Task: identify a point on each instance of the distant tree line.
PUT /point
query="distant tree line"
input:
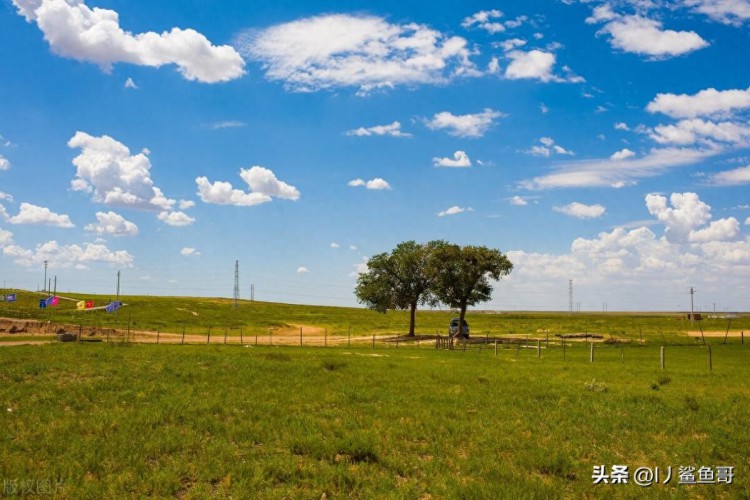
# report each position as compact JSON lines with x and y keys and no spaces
{"x":415,"y":274}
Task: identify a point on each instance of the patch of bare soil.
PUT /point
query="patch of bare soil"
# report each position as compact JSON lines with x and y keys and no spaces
{"x":716,"y":333}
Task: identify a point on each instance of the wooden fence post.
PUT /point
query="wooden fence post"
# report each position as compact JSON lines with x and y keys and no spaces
{"x":225,"y":335}
{"x":662,"y":357}
{"x":538,"y":348}
{"x":300,"y":336}
{"x":242,"y":341}
{"x":208,"y":336}
{"x":495,"y":347}
{"x":373,"y":341}
{"x":591,"y":352}
{"x":742,"y":336}
{"x":157,"y":337}
{"x":710,"y":359}
{"x":183,"y":335}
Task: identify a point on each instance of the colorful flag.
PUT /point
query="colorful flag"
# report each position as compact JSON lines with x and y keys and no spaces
{"x":42,"y":303}
{"x":55,"y":300}
{"x":11,"y":297}
{"x":81,"y":305}
{"x":51,"y":301}
{"x":113,"y":306}
{"x":89,"y":304}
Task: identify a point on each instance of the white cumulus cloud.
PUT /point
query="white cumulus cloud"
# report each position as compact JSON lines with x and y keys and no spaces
{"x":581,"y":211}
{"x":263,"y":185}
{"x":4,"y":163}
{"x":302,"y":270}
{"x":707,"y":102}
{"x":454,"y":210}
{"x":189,"y":252}
{"x":74,"y":30}
{"x":484,"y":20}
{"x":470,"y":125}
{"x":67,"y":256}
{"x":623,"y":154}
{"x":175,"y":218}
{"x":393,"y":130}
{"x":459,"y":159}
{"x":641,"y":35}
{"x":33,"y":214}
{"x":106,"y":169}
{"x":113,"y":224}
{"x":362,"y":51}
{"x":376,"y":184}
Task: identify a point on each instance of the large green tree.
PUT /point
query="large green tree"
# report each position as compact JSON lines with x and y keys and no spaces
{"x":399,"y":279}
{"x":462,"y":276}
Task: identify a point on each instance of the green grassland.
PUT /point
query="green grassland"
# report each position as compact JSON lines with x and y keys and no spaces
{"x":196,"y":315}
{"x":124,"y":420}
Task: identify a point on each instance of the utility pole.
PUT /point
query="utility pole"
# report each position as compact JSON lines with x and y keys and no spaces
{"x":236,"y":301}
{"x":45,"y":275}
{"x":117,"y":309}
{"x":570,"y":296}
{"x":692,"y":293}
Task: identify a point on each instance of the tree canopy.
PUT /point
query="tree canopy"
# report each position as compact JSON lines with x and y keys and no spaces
{"x":416,"y":274}
{"x":462,"y":275}
{"x":399,"y":279}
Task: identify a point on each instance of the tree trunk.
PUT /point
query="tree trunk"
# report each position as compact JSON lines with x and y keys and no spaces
{"x":412,"y":319}
{"x":461,"y":320}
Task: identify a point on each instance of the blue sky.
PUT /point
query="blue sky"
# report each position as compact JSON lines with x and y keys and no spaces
{"x":603,"y":142}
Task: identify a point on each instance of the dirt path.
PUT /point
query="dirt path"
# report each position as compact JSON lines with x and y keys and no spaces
{"x":716,"y":333}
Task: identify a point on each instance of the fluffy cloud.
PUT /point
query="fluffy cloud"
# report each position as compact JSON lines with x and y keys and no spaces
{"x":707,"y":102}
{"x":616,"y":173}
{"x":623,"y":154}
{"x":376,"y":184}
{"x":302,"y":270}
{"x":175,"y":218}
{"x":130,"y":84}
{"x":697,"y":130}
{"x":185,"y":204}
{"x":112,"y":224}
{"x":67,"y":256}
{"x":33,"y":214}
{"x":471,"y":125}
{"x":686,"y":214}
{"x":74,"y":30}
{"x":393,"y":130}
{"x":106,"y":169}
{"x":4,"y":163}
{"x":6,"y":238}
{"x":454,"y":210}
{"x":484,"y":20}
{"x":645,"y":36}
{"x":621,"y":126}
{"x":334,"y":245}
{"x":547,"y":148}
{"x":720,"y":230}
{"x":634,"y":261}
{"x":518,"y":201}
{"x":366,"y":52}
{"x":581,"y":211}
{"x":733,"y":12}
{"x":460,"y":159}
{"x":189,"y":252}
{"x":263,"y":184}
{"x":734,"y":177}
{"x":534,"y":64}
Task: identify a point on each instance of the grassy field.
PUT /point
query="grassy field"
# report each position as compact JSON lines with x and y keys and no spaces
{"x":128,"y":420}
{"x":196,"y":315}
